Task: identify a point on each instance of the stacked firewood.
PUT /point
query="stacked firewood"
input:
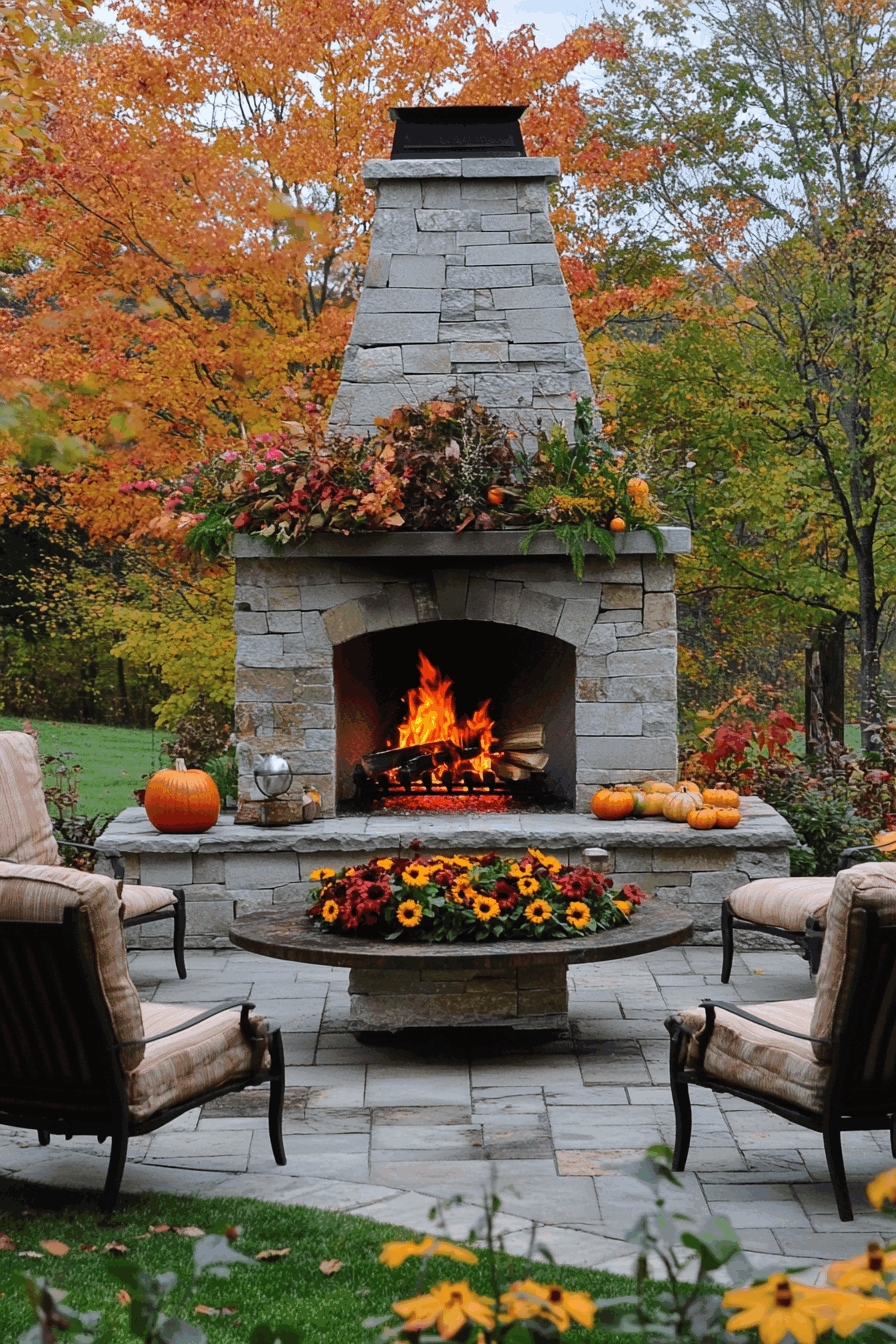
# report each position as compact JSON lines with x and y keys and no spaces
{"x":520,"y":753}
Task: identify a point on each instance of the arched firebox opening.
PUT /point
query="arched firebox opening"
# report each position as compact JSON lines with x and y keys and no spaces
{"x":525,"y":679}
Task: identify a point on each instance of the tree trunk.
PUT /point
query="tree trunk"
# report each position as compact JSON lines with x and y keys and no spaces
{"x":824,"y":712}
{"x":869,"y":652}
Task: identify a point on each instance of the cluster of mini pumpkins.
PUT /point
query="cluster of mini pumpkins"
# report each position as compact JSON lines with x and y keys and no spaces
{"x":702,"y":809}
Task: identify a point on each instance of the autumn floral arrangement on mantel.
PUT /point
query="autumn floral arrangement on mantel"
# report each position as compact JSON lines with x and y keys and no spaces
{"x":459,"y":899}
{"x":442,"y":466}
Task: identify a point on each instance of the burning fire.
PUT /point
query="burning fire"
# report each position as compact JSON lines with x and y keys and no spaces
{"x":432,"y":717}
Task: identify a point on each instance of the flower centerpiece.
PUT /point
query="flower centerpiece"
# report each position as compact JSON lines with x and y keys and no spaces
{"x":459,"y":899}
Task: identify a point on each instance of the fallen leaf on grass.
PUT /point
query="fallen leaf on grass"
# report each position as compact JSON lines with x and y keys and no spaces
{"x":159,"y":1227}
{"x":116,"y":1247}
{"x":31,"y":1255}
{"x":330,"y":1266}
{"x":143,"y":1236}
{"x":232,"y":1233}
{"x":87,"y":1246}
{"x":190,"y":1231}
{"x":6,"y":1243}
{"x":274,"y":1255}
{"x":124,"y":1297}
{"x":54,"y":1247}
{"x":206,"y":1311}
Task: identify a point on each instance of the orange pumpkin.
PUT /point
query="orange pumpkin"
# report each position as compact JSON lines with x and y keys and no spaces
{"x":638,"y":490}
{"x":182,"y":801}
{"x":721,"y":797}
{"x":685,"y":786}
{"x":703,"y":818}
{"x":656,"y":786}
{"x":727,"y":818}
{"x":885,"y":840}
{"x":617,"y":524}
{"x":612,"y":804}
{"x":653,"y":804}
{"x":678,"y":806}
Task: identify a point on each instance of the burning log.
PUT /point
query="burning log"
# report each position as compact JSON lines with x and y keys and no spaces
{"x":417,"y":758}
{"x":530,"y":738}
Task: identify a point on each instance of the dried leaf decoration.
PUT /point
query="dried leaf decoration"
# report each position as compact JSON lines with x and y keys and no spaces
{"x":54,"y":1247}
{"x":159,"y":1227}
{"x":274,"y":1255}
{"x":6,"y":1243}
{"x":330,"y":1266}
{"x":189,"y":1231}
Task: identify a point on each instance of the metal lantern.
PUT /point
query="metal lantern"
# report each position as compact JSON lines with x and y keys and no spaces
{"x":273,"y":776}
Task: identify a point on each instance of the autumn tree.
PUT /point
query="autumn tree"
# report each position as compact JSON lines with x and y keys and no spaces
{"x":771,"y":365}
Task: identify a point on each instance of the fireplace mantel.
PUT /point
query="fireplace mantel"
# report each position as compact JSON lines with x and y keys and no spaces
{"x":504,"y":541}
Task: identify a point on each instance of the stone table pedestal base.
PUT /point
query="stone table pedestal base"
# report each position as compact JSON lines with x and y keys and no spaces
{"x":531,"y":998}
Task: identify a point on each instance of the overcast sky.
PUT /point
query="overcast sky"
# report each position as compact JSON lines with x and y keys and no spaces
{"x":551,"y":23}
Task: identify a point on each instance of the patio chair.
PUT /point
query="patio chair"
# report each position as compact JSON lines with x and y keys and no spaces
{"x":79,"y":1052}
{"x":794,"y":908}
{"x":26,"y":836}
{"x":828,"y":1063}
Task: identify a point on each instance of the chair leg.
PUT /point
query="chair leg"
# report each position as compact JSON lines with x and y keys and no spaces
{"x":833,"y":1152}
{"x":681,"y":1101}
{"x":727,"y":942}
{"x":893,"y":1135}
{"x":180,"y":930}
{"x":278,"y":1093}
{"x":115,"y":1171}
{"x":43,"y":1138}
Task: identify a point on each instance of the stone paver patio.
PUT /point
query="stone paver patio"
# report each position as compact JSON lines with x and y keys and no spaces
{"x":383,"y":1131}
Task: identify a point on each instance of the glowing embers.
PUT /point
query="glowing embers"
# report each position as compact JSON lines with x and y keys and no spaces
{"x":443,"y":762}
{"x":420,"y":801}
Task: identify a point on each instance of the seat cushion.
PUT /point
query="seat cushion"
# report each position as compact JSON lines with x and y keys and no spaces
{"x":783,"y":902}
{"x":758,"y":1058}
{"x":145,"y":900}
{"x":26,"y":831}
{"x":41,"y":893}
{"x":868,"y":886}
{"x":194,"y":1061}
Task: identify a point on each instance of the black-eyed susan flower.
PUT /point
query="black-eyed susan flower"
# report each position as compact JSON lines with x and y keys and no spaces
{"x":781,"y":1307}
{"x":460,"y":862}
{"x":447,"y":1306}
{"x":415,"y":875}
{"x":625,"y":907}
{"x":516,"y":871}
{"x":527,"y":1298}
{"x":385,"y":864}
{"x":537,"y":912}
{"x":546,"y":860}
{"x":485,"y":908}
{"x":329,"y":912}
{"x":882,"y":1190}
{"x":577,"y":914}
{"x":865,"y":1272}
{"x":394,"y":1253}
{"x":528,"y":886}
{"x":409,"y":914}
{"x":322,"y":874}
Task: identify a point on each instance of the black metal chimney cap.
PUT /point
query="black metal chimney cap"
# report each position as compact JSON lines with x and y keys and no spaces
{"x":457,"y":132}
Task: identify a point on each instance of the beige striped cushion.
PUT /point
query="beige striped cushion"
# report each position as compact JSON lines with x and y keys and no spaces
{"x":145,"y":900}
{"x":194,"y":1061}
{"x":26,"y":831}
{"x":870,"y":886}
{"x":32,"y":892}
{"x":783,"y":902}
{"x":755,"y":1057}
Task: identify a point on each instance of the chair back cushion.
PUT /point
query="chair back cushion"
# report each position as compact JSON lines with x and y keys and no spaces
{"x":868,"y":886}
{"x":41,"y":893}
{"x":26,"y":831}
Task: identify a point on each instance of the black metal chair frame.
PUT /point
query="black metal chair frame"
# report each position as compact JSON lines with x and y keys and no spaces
{"x":809,"y":940}
{"x":60,"y":1065}
{"x":177,"y":912}
{"x":860,"y":1093}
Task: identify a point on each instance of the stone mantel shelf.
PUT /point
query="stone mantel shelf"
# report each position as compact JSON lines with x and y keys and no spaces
{"x":398,"y":170}
{"x":761,"y":827}
{"x":500,"y":542}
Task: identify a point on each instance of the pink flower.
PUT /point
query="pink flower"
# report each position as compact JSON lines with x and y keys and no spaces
{"x":311,"y":406}
{"x":126,"y":489}
{"x":274,"y":455}
{"x":230,"y":456}
{"x":277,"y":471}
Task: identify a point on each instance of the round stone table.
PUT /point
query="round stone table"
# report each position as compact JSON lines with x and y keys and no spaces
{"x":398,"y":985}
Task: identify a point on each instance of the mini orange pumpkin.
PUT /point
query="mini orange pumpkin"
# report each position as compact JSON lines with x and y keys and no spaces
{"x":182,"y":801}
{"x":678,"y":806}
{"x":612,"y":804}
{"x":638,"y":490}
{"x":885,"y":840}
{"x":617,"y":524}
{"x":727,"y":818}
{"x":721,"y":797}
{"x":653,"y":804}
{"x":495,"y":495}
{"x":656,"y":786}
{"x":703,"y":818}
{"x":685,"y":786}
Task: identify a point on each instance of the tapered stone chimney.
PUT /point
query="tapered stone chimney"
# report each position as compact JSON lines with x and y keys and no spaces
{"x":463,"y":293}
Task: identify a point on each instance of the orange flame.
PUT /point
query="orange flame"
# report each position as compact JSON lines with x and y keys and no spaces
{"x":432,"y":717}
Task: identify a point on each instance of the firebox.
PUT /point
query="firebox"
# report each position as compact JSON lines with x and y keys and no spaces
{"x":455,"y":715}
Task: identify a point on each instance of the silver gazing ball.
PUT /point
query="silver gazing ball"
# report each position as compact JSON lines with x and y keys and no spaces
{"x":273,"y":775}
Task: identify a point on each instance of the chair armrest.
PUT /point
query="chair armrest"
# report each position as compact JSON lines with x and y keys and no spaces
{"x":847,"y":854}
{"x":711,"y":1004}
{"x":242,"y":1004}
{"x":111,"y":854}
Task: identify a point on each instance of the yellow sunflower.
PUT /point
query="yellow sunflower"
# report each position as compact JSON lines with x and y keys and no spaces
{"x":330,"y":912}
{"x":485,"y":908}
{"x":385,"y":864}
{"x":460,"y":862}
{"x":415,"y":875}
{"x":546,"y":860}
{"x":409,"y":914}
{"x":537,"y":912}
{"x":528,"y":886}
{"x":624,"y":906}
{"x":577,"y":914}
{"x":516,"y":871}
{"x":447,"y":1306}
{"x":322,"y":874}
{"x":527,"y":1298}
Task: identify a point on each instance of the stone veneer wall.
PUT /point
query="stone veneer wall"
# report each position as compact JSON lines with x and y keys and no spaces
{"x":463,"y":290}
{"x":292,"y":610}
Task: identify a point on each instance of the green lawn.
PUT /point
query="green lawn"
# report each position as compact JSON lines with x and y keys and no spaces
{"x":288,"y":1292}
{"x":115,"y":760}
